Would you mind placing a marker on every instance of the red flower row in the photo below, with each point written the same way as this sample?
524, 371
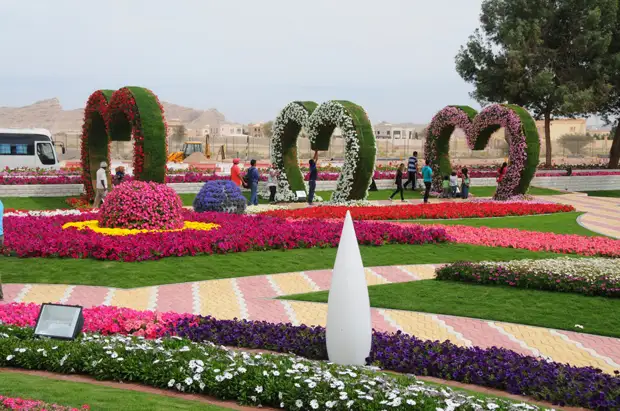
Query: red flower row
424, 211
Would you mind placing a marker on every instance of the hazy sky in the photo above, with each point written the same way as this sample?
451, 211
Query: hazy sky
247, 58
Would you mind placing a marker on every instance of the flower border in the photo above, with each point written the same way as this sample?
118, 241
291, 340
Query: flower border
130, 112
521, 134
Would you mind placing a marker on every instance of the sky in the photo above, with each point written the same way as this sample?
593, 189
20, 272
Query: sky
247, 58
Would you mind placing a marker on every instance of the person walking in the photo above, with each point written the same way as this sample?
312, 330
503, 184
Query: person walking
412, 168
272, 183
399, 183
427, 176
102, 184
235, 173
314, 173
253, 178
465, 181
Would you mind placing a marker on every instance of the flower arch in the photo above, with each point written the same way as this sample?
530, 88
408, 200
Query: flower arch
118, 116
320, 122
521, 135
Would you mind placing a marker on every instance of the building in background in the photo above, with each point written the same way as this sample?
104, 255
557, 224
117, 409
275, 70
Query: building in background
256, 129
402, 131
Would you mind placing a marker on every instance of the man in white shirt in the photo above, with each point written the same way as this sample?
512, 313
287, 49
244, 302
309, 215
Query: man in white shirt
102, 184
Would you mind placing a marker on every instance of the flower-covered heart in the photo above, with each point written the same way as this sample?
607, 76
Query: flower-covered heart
521, 135
360, 148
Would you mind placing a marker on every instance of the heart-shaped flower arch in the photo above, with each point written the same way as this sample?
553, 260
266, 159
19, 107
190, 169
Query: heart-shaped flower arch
320, 122
131, 112
521, 135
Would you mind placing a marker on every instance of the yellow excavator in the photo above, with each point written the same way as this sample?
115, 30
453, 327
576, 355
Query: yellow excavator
188, 149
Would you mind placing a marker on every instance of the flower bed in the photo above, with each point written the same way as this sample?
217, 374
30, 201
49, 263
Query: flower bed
425, 211
591, 276
44, 237
493, 367
9, 403
103, 320
535, 241
281, 381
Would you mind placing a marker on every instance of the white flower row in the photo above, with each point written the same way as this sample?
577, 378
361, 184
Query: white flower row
590, 268
256, 379
46, 213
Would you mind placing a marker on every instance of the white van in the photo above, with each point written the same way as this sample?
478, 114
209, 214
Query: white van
27, 147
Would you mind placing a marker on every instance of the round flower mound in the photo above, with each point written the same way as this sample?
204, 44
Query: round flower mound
221, 196
142, 205
94, 226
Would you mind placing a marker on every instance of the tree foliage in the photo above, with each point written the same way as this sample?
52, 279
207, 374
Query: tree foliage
545, 55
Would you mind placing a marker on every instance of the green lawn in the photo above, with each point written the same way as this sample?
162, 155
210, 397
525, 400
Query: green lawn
184, 269
53, 203
76, 394
560, 223
604, 193
530, 307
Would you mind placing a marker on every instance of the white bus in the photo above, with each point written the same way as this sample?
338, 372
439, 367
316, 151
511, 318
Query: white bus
27, 147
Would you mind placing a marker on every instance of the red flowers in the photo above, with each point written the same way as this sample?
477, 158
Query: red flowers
425, 211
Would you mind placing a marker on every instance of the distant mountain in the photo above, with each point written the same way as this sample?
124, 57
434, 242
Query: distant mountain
49, 114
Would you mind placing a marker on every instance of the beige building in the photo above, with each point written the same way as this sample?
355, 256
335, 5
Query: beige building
256, 129
559, 127
403, 131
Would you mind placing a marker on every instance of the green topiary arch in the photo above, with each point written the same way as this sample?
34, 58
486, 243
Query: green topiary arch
320, 122
130, 112
521, 135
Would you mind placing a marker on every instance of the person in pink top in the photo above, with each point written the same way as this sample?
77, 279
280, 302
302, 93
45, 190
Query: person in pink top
235, 172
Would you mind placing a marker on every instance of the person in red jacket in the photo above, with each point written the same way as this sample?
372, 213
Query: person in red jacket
235, 172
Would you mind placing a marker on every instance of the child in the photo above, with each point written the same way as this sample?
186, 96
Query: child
399, 182
445, 184
465, 183
454, 182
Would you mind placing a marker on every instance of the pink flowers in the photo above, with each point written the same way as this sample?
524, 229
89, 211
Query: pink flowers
102, 319
535, 241
44, 237
8, 403
142, 206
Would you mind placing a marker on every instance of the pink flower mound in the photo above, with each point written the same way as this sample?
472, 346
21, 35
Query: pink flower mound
535, 241
142, 205
102, 319
44, 237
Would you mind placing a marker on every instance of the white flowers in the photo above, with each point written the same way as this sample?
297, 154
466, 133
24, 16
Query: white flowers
46, 213
587, 268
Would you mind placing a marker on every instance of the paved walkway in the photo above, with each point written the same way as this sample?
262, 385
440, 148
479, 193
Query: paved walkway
254, 298
602, 213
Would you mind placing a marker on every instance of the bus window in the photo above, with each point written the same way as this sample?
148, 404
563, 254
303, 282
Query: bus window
45, 152
21, 149
5, 149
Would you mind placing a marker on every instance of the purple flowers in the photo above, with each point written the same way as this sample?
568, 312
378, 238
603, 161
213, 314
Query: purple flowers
493, 367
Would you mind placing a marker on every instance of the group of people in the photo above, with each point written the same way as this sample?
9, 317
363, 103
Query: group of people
450, 183
412, 169
101, 184
252, 177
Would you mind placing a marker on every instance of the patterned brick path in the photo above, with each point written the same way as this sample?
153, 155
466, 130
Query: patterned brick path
602, 214
254, 298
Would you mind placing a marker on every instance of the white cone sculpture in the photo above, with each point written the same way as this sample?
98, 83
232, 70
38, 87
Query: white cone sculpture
349, 328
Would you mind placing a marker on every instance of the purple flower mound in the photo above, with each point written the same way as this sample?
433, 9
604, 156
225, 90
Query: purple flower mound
493, 367
220, 196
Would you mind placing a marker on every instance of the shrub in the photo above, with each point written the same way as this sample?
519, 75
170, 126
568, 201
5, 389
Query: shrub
142, 205
575, 143
222, 196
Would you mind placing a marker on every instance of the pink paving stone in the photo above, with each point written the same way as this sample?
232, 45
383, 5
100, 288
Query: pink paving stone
606, 346
175, 297
481, 334
322, 278
257, 291
379, 323
11, 291
87, 296
272, 311
393, 274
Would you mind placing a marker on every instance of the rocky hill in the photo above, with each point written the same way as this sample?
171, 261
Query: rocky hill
49, 114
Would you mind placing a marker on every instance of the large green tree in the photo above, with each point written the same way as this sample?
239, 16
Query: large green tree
610, 108
545, 55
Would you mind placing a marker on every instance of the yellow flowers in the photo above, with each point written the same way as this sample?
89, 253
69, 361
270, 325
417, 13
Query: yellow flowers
93, 225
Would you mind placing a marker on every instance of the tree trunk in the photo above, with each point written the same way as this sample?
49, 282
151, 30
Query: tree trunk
548, 138
614, 153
